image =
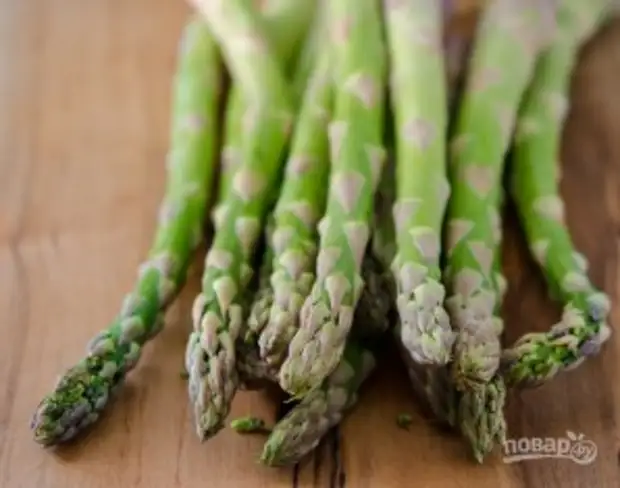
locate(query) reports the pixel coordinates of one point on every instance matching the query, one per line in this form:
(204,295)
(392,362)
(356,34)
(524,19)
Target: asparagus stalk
(286,22)
(356,160)
(419,104)
(294,239)
(538,357)
(484,125)
(218,308)
(480,412)
(431,384)
(304,426)
(83,391)
(477,414)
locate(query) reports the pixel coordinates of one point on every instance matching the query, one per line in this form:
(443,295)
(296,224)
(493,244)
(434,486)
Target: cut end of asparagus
(481,417)
(537,357)
(425,328)
(78,399)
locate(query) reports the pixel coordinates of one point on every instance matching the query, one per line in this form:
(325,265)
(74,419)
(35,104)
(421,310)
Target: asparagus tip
(273,450)
(76,402)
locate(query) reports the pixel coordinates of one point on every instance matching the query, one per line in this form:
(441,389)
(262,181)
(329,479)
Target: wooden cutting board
(84,106)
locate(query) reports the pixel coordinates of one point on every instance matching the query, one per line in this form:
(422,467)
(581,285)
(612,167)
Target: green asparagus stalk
(357,157)
(419,104)
(538,357)
(83,391)
(267,120)
(304,426)
(484,124)
(477,414)
(285,22)
(294,239)
(431,384)
(480,412)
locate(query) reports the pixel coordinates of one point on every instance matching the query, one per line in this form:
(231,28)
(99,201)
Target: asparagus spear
(477,414)
(484,124)
(538,357)
(83,391)
(357,157)
(301,204)
(430,383)
(267,120)
(480,412)
(419,104)
(303,427)
(286,21)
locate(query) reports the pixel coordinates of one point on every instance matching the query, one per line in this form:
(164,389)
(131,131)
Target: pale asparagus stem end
(481,417)
(425,329)
(538,357)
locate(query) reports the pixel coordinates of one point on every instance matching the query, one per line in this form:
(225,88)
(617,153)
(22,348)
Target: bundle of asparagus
(350,247)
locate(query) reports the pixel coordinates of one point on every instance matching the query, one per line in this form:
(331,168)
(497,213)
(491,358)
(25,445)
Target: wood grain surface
(84,106)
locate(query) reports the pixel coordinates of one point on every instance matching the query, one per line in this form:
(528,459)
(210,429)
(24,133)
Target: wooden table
(84,101)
